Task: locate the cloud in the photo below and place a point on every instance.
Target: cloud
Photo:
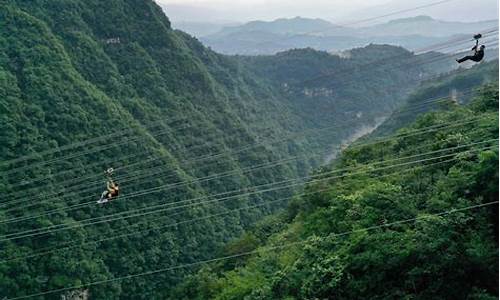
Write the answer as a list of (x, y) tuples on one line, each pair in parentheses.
[(245, 10)]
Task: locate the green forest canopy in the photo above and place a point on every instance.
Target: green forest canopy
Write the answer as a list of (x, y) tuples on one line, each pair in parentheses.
[(440, 256), (175, 112)]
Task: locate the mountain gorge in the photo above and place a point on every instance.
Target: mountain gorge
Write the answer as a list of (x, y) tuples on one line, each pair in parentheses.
[(413, 214), (204, 145)]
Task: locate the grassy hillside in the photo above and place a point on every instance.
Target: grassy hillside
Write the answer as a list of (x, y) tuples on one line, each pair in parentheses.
[(414, 216)]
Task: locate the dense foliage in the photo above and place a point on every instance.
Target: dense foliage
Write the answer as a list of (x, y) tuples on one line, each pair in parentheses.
[(379, 232), (175, 115), (453, 88)]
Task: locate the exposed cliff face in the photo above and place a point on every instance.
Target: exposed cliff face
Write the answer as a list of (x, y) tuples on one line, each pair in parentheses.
[(76, 295)]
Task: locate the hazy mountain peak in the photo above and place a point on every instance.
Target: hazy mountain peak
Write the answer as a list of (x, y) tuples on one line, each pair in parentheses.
[(421, 18), (296, 21), (283, 26)]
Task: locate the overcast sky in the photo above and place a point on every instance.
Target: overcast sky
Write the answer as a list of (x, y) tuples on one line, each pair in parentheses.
[(332, 10)]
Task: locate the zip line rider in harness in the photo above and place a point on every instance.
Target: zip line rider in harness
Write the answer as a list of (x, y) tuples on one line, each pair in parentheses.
[(478, 52), (112, 189)]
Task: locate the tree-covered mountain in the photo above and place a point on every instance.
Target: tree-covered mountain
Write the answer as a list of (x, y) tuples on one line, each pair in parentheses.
[(453, 88), (258, 37), (88, 84), (410, 216), (200, 29), (294, 26)]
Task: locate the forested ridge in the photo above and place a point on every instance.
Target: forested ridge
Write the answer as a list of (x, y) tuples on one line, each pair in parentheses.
[(456, 87), (204, 145), (413, 216)]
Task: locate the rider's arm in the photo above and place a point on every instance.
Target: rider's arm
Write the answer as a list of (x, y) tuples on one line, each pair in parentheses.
[(475, 48), (109, 184)]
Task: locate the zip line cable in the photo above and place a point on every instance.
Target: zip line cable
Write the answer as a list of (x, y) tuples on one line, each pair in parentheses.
[(160, 208), (427, 165), (259, 251), (156, 209), (161, 169), (156, 189), (95, 150), (404, 135), (177, 183), (169, 216), (100, 181), (103, 217), (72, 245), (227, 174)]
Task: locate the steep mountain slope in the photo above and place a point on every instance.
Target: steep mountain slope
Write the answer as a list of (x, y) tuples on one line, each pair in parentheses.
[(450, 89), (330, 94), (413, 216), (89, 84)]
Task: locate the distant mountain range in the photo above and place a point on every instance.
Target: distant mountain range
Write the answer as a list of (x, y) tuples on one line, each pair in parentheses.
[(260, 37), (293, 26), (201, 29)]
